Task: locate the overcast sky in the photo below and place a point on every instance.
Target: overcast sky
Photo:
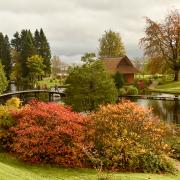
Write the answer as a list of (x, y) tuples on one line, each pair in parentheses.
[(73, 27)]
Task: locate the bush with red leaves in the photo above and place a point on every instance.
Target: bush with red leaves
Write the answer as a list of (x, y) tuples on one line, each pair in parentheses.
[(50, 133)]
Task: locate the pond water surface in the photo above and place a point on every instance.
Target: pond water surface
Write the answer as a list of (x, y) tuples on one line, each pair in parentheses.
[(167, 110)]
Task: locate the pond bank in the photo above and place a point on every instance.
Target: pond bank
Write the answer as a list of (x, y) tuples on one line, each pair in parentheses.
[(170, 87)]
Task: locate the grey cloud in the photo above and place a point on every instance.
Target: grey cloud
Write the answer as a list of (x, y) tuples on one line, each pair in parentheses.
[(73, 27)]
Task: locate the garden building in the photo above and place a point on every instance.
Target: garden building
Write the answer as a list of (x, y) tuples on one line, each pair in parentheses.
[(122, 65)]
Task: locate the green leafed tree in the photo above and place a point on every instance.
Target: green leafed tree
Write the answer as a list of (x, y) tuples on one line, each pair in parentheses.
[(5, 55), (35, 68), (88, 58), (110, 45), (89, 86), (3, 79)]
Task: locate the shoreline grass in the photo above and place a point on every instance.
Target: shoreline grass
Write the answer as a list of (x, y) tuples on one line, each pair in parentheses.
[(11, 168), (170, 87)]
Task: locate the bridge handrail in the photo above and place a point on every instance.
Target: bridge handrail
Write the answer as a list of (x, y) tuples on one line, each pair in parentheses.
[(150, 97), (30, 91)]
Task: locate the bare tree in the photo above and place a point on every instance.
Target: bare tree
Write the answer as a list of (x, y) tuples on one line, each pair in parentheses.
[(55, 65)]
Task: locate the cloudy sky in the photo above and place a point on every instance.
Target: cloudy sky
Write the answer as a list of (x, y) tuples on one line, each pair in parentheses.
[(73, 27)]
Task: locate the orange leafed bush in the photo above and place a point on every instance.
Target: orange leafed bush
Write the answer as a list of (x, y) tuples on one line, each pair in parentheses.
[(50, 133), (128, 137)]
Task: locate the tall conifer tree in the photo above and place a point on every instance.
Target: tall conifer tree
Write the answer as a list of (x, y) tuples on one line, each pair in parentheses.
[(5, 54), (16, 42), (37, 41), (44, 51), (27, 49)]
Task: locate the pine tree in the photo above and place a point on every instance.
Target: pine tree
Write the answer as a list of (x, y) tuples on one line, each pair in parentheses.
[(5, 54), (37, 41), (44, 51), (27, 50), (16, 42)]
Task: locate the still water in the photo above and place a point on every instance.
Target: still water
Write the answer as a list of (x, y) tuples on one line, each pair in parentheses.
[(166, 110)]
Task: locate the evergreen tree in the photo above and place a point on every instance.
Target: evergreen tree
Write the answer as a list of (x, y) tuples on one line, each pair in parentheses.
[(44, 51), (37, 41), (16, 42), (5, 55), (27, 50), (25, 45), (3, 79), (111, 45), (118, 80)]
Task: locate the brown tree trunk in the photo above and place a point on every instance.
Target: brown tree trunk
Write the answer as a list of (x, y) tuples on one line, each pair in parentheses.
[(176, 75)]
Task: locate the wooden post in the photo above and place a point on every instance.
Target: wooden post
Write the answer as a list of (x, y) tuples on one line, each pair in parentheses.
[(50, 96)]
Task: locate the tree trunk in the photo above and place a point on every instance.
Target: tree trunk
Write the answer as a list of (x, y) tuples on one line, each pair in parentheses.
[(176, 75)]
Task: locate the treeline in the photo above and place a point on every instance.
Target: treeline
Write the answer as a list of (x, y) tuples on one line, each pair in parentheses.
[(14, 54)]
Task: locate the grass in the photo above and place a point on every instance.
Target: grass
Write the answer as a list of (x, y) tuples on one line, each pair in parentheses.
[(170, 87), (13, 169), (50, 82)]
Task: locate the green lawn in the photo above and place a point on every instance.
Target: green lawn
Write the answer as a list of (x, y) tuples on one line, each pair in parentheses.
[(51, 82), (11, 168), (170, 87)]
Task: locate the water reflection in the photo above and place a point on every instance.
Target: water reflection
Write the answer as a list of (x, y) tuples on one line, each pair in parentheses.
[(166, 110)]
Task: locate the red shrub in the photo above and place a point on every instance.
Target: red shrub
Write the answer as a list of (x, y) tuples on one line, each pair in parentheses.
[(50, 133)]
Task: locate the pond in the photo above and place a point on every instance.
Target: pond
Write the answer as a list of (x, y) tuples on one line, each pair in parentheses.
[(166, 110)]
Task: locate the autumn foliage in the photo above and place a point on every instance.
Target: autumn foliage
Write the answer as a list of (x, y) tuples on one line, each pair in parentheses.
[(120, 137), (50, 133), (129, 138)]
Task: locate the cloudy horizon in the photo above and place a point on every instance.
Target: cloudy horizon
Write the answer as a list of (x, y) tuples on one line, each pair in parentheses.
[(74, 27)]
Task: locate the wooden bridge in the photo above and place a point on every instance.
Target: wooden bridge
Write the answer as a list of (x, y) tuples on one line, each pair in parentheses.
[(36, 94)]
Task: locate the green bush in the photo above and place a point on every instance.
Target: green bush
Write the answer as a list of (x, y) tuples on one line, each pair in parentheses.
[(131, 90), (174, 142), (152, 163), (121, 91)]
